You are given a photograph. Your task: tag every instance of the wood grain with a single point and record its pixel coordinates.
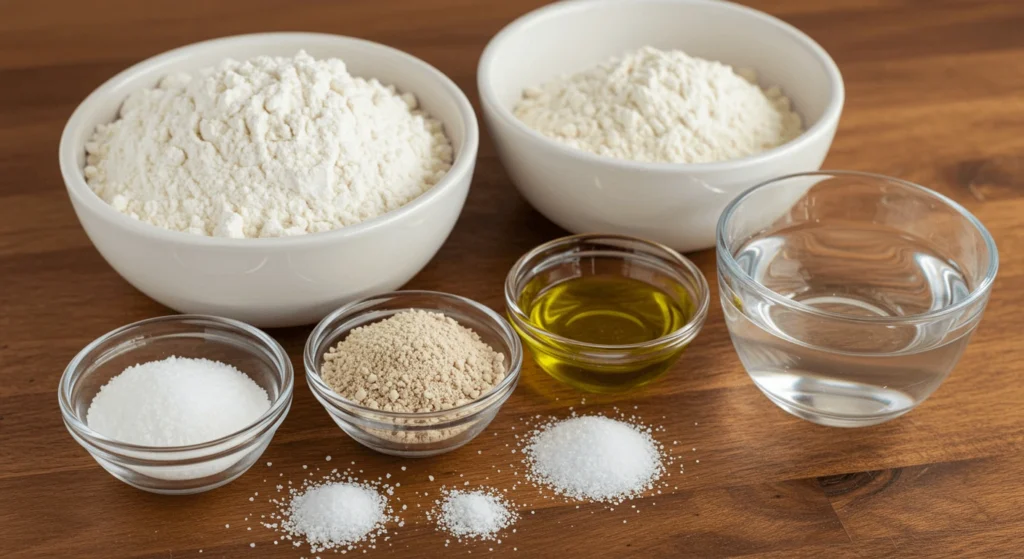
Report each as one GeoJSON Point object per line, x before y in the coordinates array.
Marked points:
{"type": "Point", "coordinates": [935, 95]}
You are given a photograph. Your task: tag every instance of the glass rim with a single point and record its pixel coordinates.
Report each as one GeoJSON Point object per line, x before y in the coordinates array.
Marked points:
{"type": "Point", "coordinates": [282, 402]}
{"type": "Point", "coordinates": [483, 402]}
{"type": "Point", "coordinates": [666, 254]}
{"type": "Point", "coordinates": [728, 261]}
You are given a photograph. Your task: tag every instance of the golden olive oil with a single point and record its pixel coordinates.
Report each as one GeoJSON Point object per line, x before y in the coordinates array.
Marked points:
{"type": "Point", "coordinates": [606, 310]}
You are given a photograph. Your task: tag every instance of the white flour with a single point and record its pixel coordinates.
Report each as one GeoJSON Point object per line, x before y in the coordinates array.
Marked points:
{"type": "Point", "coordinates": [661, 106]}
{"type": "Point", "coordinates": [266, 148]}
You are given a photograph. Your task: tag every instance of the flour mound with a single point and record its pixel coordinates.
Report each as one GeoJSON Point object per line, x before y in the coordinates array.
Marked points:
{"type": "Point", "coordinates": [661, 106]}
{"type": "Point", "coordinates": [268, 147]}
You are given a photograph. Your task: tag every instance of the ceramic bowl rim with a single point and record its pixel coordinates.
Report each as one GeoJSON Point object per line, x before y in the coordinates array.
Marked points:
{"type": "Point", "coordinates": [81, 193]}
{"type": "Point", "coordinates": [819, 130]}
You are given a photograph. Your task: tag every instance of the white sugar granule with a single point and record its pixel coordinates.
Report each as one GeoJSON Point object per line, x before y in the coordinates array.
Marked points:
{"type": "Point", "coordinates": [336, 515]}
{"type": "Point", "coordinates": [594, 458]}
{"type": "Point", "coordinates": [661, 106]}
{"type": "Point", "coordinates": [176, 401]}
{"type": "Point", "coordinates": [479, 514]}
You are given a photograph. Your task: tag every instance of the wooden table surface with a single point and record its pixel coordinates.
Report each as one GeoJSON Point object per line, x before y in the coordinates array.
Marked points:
{"type": "Point", "coordinates": [935, 94]}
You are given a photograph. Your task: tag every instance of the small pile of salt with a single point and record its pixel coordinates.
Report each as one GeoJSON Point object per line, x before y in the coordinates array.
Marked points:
{"type": "Point", "coordinates": [594, 457]}
{"type": "Point", "coordinates": [176, 402]}
{"type": "Point", "coordinates": [474, 514]}
{"type": "Point", "coordinates": [337, 515]}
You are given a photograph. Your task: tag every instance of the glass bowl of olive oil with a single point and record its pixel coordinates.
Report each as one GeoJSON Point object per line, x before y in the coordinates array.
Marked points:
{"type": "Point", "coordinates": [606, 313]}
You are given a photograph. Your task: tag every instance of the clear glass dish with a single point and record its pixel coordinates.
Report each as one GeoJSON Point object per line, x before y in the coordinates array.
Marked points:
{"type": "Point", "coordinates": [599, 367]}
{"type": "Point", "coordinates": [850, 306]}
{"type": "Point", "coordinates": [413, 434]}
{"type": "Point", "coordinates": [182, 469]}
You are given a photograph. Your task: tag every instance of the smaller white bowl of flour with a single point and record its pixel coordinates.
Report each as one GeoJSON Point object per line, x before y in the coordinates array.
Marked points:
{"type": "Point", "coordinates": [646, 118]}
{"type": "Point", "coordinates": [261, 177]}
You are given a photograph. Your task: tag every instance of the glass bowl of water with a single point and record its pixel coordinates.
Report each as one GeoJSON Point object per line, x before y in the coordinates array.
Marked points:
{"type": "Point", "coordinates": [851, 305]}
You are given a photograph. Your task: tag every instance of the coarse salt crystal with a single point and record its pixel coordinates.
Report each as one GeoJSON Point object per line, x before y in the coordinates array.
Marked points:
{"type": "Point", "coordinates": [594, 457]}
{"type": "Point", "coordinates": [474, 514]}
{"type": "Point", "coordinates": [336, 515]}
{"type": "Point", "coordinates": [176, 401]}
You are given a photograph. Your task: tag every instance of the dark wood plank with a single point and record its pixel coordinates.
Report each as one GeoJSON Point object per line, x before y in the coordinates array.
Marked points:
{"type": "Point", "coordinates": [927, 499]}
{"type": "Point", "coordinates": [935, 95]}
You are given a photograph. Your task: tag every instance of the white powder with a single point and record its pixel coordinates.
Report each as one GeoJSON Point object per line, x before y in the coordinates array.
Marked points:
{"type": "Point", "coordinates": [266, 148]}
{"type": "Point", "coordinates": [474, 514]}
{"type": "Point", "coordinates": [595, 458]}
{"type": "Point", "coordinates": [337, 515]}
{"type": "Point", "coordinates": [661, 106]}
{"type": "Point", "coordinates": [176, 402]}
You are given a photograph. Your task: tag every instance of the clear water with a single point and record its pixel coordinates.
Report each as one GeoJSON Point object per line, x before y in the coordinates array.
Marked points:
{"type": "Point", "coordinates": [840, 373]}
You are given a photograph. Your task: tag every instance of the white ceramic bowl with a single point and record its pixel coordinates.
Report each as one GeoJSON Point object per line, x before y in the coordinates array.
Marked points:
{"type": "Point", "coordinates": [675, 204]}
{"type": "Point", "coordinates": [276, 281]}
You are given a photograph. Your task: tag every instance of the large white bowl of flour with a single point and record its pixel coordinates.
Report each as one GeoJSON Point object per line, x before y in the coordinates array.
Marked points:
{"type": "Point", "coordinates": [298, 261]}
{"type": "Point", "coordinates": [619, 149]}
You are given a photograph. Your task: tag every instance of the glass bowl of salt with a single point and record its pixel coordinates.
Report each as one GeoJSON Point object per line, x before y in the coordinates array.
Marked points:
{"type": "Point", "coordinates": [177, 404]}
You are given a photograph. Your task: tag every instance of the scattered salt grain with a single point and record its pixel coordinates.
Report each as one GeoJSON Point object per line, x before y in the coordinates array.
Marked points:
{"type": "Point", "coordinates": [594, 457]}
{"type": "Point", "coordinates": [477, 514]}
{"type": "Point", "coordinates": [336, 515]}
